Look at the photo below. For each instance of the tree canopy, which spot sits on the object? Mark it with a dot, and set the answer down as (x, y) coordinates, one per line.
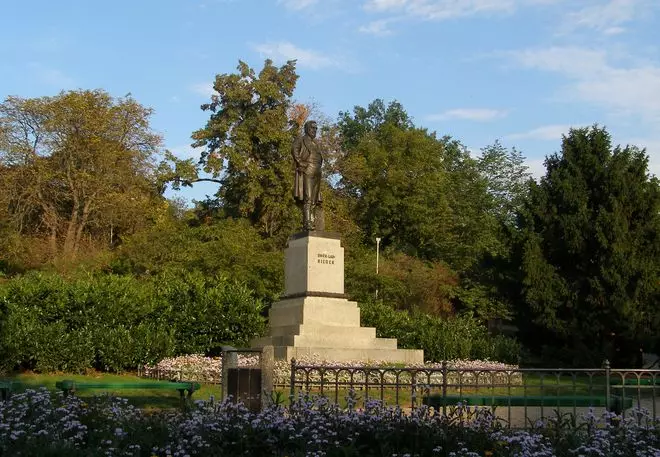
(588, 252)
(76, 165)
(246, 146)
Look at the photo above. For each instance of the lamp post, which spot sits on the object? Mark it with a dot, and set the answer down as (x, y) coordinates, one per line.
(377, 254)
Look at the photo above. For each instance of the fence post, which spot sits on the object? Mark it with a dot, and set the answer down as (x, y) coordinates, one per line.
(267, 368)
(292, 382)
(444, 387)
(606, 365)
(223, 375)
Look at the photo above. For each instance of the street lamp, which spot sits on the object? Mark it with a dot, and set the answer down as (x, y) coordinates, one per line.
(377, 253)
(377, 249)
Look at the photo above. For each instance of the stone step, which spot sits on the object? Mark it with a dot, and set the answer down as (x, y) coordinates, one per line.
(405, 356)
(317, 329)
(326, 341)
(315, 310)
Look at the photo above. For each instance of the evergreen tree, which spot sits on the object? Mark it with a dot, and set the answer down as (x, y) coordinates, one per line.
(588, 253)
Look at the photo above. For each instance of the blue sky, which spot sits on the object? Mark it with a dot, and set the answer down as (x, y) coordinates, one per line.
(521, 71)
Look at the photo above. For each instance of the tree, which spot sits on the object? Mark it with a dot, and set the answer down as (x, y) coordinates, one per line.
(247, 146)
(423, 195)
(588, 253)
(507, 176)
(427, 198)
(79, 164)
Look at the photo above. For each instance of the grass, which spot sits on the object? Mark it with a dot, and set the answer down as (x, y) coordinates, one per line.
(141, 398)
(167, 399)
(533, 385)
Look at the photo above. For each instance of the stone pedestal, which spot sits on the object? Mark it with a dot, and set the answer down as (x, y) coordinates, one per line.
(314, 318)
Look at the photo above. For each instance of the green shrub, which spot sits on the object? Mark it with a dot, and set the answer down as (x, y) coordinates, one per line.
(460, 337)
(208, 312)
(117, 323)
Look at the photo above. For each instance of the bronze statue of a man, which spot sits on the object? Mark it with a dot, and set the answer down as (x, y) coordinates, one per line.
(307, 185)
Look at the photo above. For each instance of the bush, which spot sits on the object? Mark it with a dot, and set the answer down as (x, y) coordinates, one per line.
(230, 248)
(409, 282)
(460, 337)
(117, 323)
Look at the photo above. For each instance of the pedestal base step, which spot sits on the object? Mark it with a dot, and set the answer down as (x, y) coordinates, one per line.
(405, 356)
(324, 336)
(314, 311)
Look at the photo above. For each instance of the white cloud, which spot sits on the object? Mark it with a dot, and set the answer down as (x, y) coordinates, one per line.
(614, 30)
(536, 167)
(385, 5)
(552, 132)
(284, 50)
(629, 90)
(448, 9)
(469, 114)
(204, 89)
(297, 5)
(606, 17)
(378, 28)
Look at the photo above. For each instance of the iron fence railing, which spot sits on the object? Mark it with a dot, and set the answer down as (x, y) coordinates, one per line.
(518, 396)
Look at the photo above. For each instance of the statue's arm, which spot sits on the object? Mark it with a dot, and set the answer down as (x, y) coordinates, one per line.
(296, 151)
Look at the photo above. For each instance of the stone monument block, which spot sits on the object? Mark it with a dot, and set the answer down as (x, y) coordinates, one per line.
(314, 318)
(314, 266)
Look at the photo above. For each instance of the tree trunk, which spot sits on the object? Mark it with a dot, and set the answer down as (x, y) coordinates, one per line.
(82, 224)
(72, 229)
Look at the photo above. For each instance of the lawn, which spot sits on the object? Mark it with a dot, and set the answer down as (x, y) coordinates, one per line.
(142, 398)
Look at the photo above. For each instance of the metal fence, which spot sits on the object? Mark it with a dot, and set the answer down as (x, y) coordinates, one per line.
(519, 396)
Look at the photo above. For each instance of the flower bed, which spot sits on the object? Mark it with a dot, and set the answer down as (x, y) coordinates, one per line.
(388, 373)
(209, 370)
(37, 423)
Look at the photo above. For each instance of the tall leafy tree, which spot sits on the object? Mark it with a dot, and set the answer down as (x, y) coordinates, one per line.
(422, 194)
(246, 146)
(75, 166)
(507, 179)
(505, 176)
(588, 254)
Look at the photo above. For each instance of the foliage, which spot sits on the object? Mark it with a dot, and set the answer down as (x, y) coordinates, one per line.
(39, 423)
(507, 180)
(587, 257)
(76, 167)
(437, 210)
(422, 195)
(116, 323)
(409, 282)
(460, 337)
(247, 144)
(227, 248)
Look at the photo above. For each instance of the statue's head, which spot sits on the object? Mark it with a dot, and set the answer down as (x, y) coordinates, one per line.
(311, 128)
